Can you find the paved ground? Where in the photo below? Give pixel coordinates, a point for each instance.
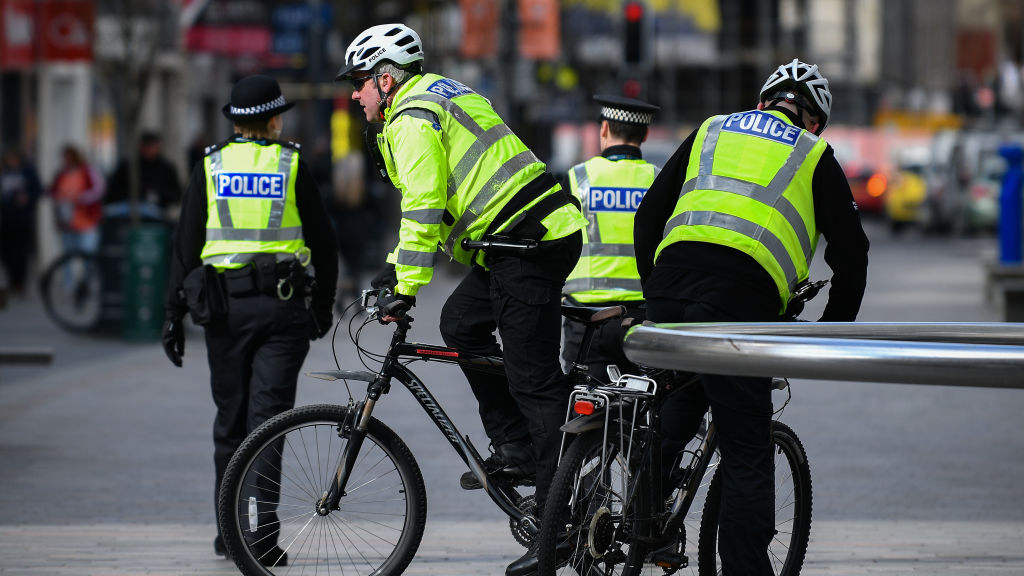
(106, 467)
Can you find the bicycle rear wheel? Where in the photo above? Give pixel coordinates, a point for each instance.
(267, 502)
(72, 291)
(588, 519)
(792, 509)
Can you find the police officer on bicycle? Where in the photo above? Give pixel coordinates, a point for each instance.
(464, 174)
(255, 263)
(726, 233)
(610, 187)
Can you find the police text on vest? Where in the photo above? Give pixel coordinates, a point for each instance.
(249, 185)
(762, 125)
(614, 199)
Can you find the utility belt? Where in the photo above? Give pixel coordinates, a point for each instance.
(206, 291)
(265, 275)
(522, 236)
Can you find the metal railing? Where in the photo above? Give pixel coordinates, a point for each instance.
(987, 355)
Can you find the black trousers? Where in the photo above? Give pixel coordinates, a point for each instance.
(742, 412)
(255, 355)
(606, 346)
(521, 298)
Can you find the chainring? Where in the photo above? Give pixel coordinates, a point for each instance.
(527, 505)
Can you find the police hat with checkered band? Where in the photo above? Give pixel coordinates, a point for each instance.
(256, 97)
(626, 110)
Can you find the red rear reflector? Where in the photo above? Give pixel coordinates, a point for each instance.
(583, 407)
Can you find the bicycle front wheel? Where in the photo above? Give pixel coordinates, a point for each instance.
(589, 515)
(267, 502)
(72, 291)
(792, 509)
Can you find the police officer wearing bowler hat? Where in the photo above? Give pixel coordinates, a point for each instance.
(610, 187)
(255, 262)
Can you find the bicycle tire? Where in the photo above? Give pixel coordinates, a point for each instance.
(795, 478)
(385, 476)
(72, 289)
(597, 543)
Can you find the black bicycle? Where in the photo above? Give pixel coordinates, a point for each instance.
(607, 511)
(329, 488)
(72, 290)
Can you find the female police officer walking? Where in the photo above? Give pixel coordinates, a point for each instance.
(252, 237)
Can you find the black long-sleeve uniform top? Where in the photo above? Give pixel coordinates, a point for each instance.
(688, 268)
(190, 236)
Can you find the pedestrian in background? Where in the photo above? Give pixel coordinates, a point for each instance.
(610, 187)
(464, 175)
(252, 231)
(77, 192)
(159, 186)
(20, 191)
(726, 233)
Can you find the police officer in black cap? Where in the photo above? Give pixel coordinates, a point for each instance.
(610, 187)
(255, 263)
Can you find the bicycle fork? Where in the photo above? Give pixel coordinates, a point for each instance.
(356, 434)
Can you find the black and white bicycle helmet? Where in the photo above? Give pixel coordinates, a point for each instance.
(396, 43)
(804, 81)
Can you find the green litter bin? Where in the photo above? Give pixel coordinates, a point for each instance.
(145, 279)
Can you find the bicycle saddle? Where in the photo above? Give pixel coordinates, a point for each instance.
(592, 315)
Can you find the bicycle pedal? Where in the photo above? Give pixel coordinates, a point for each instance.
(670, 560)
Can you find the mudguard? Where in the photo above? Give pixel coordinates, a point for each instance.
(360, 375)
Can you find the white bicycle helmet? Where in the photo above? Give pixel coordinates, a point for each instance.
(396, 43)
(807, 82)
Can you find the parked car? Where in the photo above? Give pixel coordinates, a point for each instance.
(981, 208)
(869, 187)
(905, 196)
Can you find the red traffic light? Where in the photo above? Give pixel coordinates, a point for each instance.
(634, 11)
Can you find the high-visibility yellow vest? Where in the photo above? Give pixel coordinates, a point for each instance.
(610, 192)
(250, 204)
(487, 164)
(748, 186)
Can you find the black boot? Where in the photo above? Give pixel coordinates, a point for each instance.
(510, 461)
(525, 565)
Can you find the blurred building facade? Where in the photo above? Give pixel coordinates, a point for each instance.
(70, 70)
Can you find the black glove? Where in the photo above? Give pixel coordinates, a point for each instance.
(174, 340)
(386, 278)
(321, 321)
(395, 305)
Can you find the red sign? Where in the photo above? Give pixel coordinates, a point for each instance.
(539, 29)
(17, 34)
(479, 28)
(231, 40)
(66, 30)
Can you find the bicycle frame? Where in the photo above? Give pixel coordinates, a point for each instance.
(504, 495)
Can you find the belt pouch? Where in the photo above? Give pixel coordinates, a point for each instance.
(240, 282)
(204, 295)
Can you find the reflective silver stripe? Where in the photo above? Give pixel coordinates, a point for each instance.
(486, 194)
(783, 178)
(245, 258)
(598, 249)
(425, 215)
(284, 166)
(583, 284)
(223, 212)
(460, 115)
(414, 258)
(583, 185)
(474, 154)
(254, 234)
(747, 228)
(420, 113)
(707, 151)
